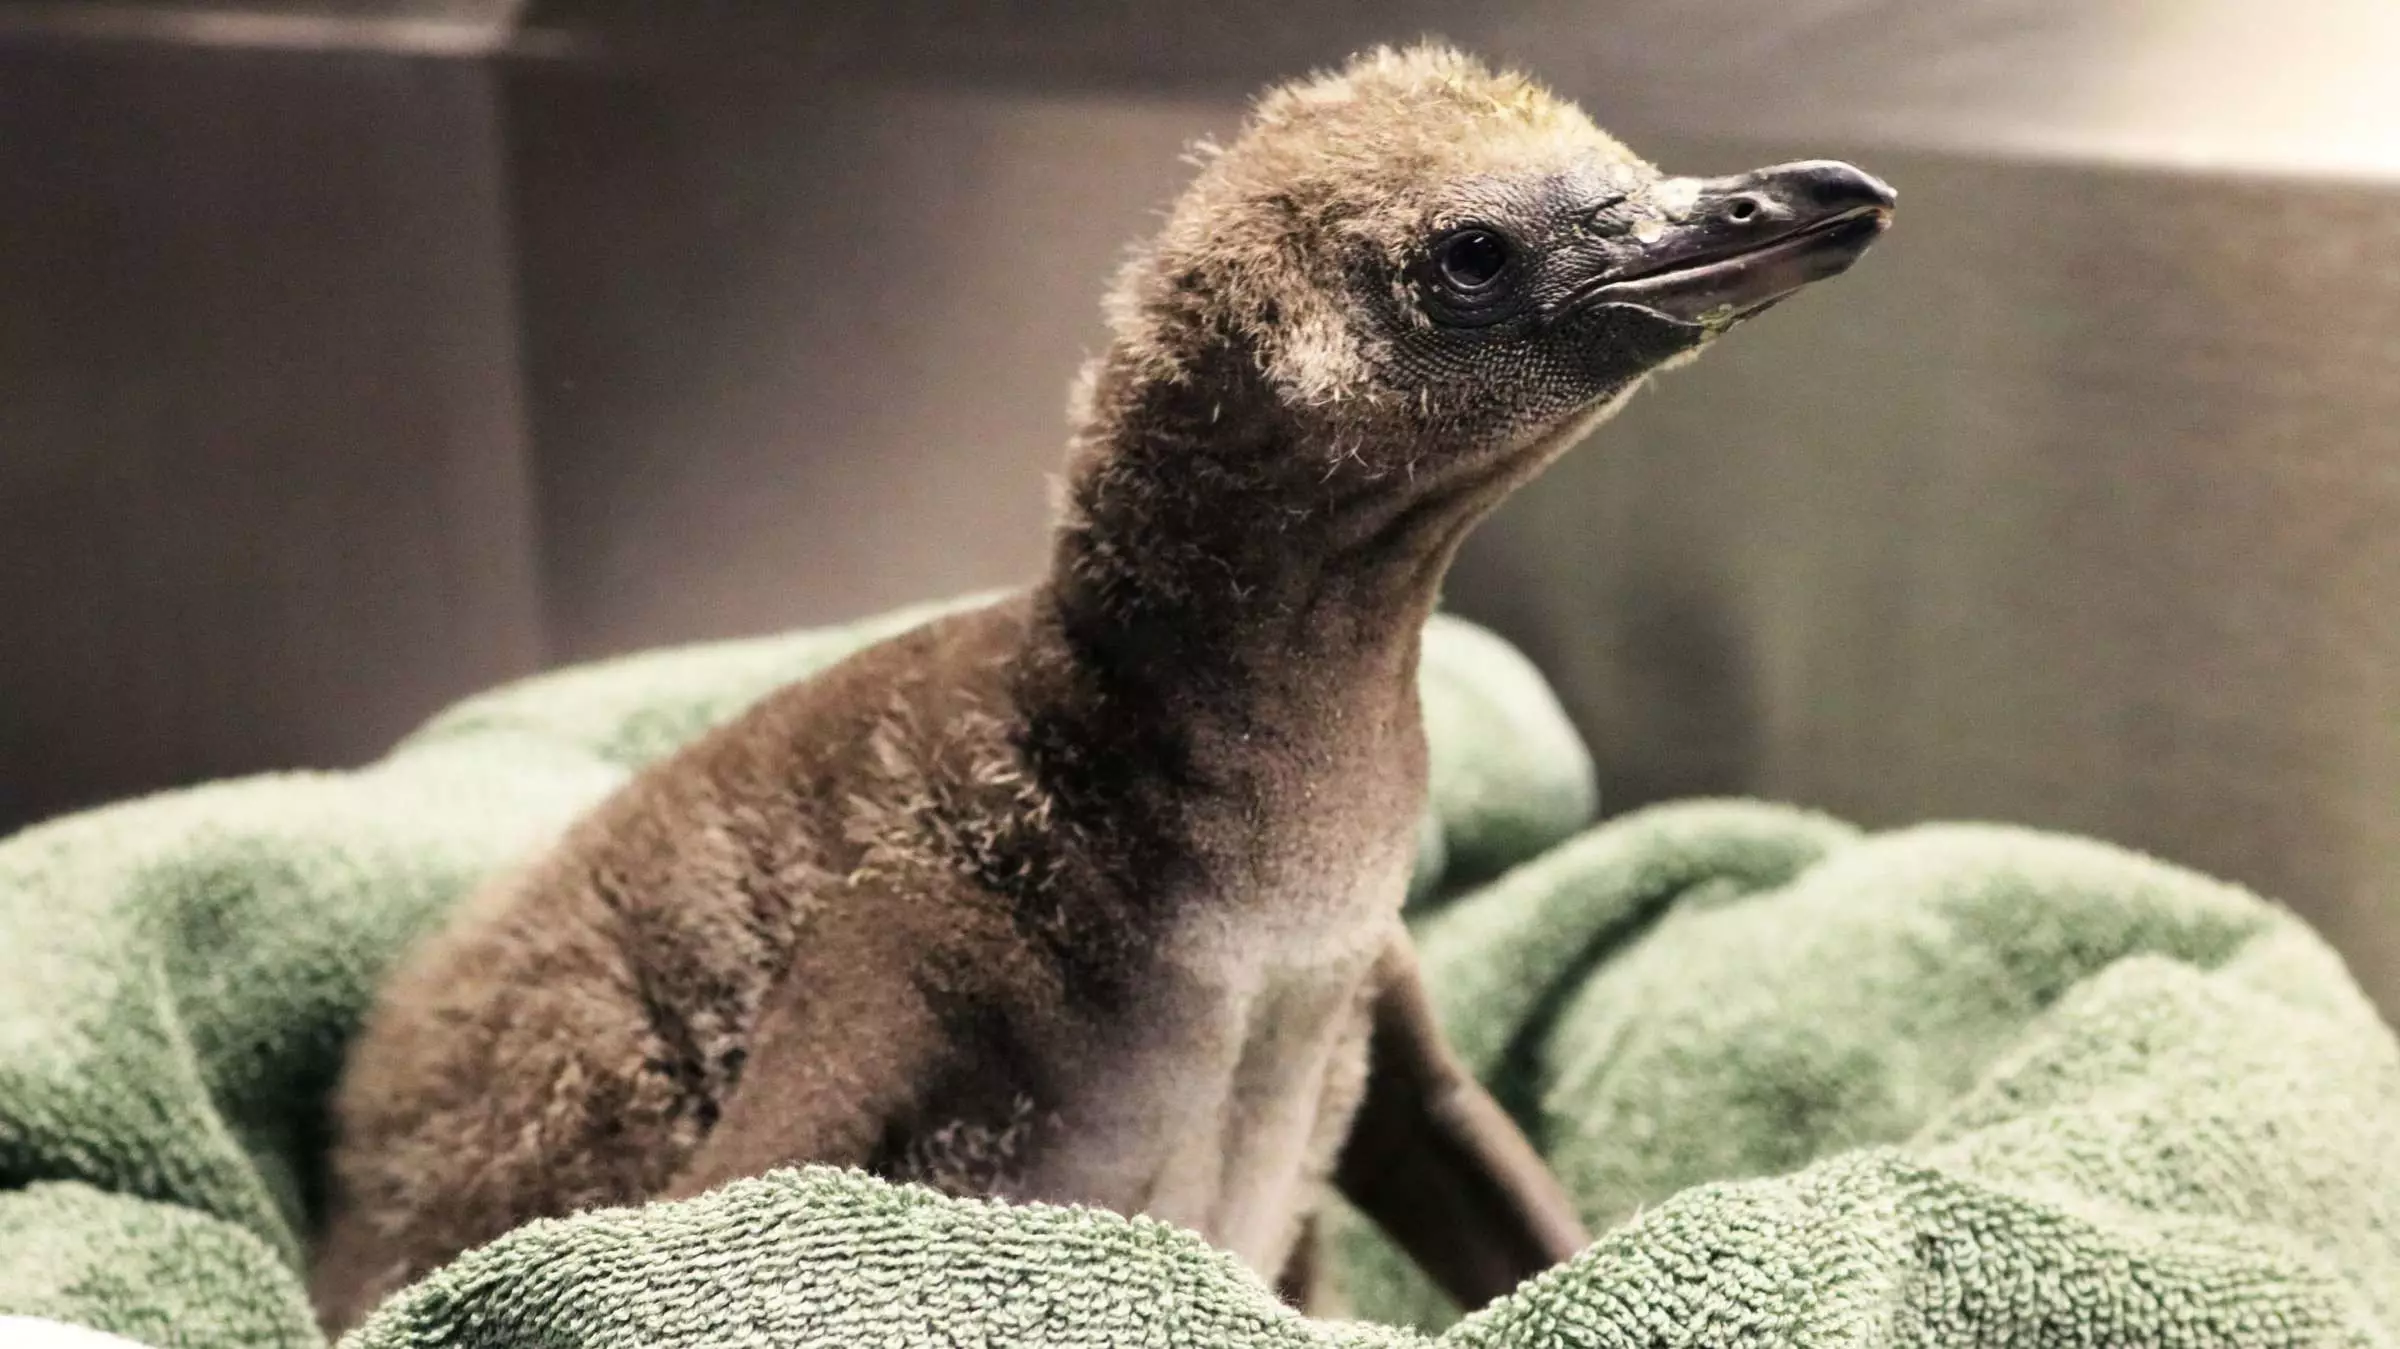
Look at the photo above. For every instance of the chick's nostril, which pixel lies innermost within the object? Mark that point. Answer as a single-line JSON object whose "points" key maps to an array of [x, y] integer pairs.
{"points": [[1742, 210]]}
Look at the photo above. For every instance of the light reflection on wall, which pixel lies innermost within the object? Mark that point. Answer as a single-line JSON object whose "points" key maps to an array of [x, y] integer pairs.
{"points": [[2305, 87]]}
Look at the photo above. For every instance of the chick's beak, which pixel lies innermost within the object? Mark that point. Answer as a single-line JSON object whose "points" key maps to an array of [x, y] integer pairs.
{"points": [[1718, 249]]}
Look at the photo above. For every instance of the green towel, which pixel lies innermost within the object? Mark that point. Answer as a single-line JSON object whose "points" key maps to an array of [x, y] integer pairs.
{"points": [[1953, 1086]]}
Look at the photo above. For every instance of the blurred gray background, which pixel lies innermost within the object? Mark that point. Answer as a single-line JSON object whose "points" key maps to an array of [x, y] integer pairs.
{"points": [[354, 356]]}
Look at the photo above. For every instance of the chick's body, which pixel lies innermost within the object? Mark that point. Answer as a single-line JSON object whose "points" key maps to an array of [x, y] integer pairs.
{"points": [[1175, 1024], [1092, 895]]}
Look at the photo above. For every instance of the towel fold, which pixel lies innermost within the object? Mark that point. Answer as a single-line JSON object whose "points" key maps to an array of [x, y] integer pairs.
{"points": [[1951, 1085], [1954, 1085]]}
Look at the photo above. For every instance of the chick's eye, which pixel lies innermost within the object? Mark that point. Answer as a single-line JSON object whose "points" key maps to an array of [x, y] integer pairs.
{"points": [[1474, 276], [1472, 259]]}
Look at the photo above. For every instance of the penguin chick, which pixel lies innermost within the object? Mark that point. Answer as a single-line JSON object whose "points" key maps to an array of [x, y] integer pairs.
{"points": [[1091, 895]]}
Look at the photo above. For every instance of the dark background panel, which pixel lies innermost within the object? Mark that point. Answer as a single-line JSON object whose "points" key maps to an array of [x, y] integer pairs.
{"points": [[263, 496], [797, 351]]}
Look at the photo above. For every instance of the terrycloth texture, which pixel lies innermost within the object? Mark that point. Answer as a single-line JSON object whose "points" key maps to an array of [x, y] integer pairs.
{"points": [[1954, 1086], [2014, 1089]]}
